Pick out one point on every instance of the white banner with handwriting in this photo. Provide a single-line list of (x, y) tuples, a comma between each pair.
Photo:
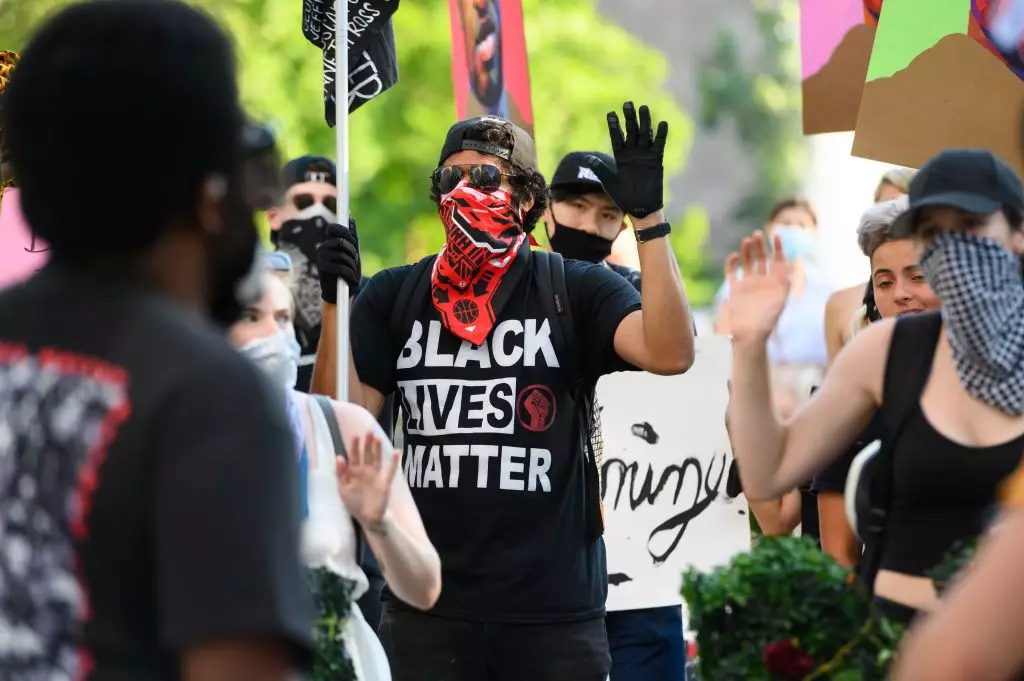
[(666, 462)]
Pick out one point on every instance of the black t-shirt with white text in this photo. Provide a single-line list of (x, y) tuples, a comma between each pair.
[(491, 442), (149, 498)]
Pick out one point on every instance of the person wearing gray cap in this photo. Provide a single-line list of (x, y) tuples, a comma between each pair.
[(493, 351), (952, 381)]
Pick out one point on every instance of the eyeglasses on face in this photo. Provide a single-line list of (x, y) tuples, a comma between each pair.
[(486, 178)]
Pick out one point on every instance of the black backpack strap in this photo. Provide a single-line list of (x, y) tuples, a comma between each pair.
[(415, 286), (339, 450), (907, 367), (550, 271)]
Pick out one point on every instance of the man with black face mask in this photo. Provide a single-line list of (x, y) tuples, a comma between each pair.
[(583, 220), (582, 223), (298, 226), (149, 500)]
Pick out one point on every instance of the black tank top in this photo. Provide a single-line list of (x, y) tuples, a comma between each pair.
[(943, 492)]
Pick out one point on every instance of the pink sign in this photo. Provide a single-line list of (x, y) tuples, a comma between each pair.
[(823, 24), (21, 254)]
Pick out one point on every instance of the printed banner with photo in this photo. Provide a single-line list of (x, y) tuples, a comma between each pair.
[(835, 48), (935, 81), (372, 61), (21, 254), (666, 463), (489, 66)]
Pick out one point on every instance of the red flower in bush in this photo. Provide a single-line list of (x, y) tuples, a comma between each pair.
[(785, 660)]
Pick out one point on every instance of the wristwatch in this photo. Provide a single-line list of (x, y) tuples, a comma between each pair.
[(655, 232)]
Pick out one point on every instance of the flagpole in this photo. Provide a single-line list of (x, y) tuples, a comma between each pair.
[(341, 136)]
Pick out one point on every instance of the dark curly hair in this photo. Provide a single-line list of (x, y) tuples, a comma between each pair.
[(151, 86), (526, 183)]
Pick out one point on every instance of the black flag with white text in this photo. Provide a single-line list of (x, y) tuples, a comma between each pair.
[(372, 61)]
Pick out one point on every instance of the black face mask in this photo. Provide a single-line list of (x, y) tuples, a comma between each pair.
[(579, 245)]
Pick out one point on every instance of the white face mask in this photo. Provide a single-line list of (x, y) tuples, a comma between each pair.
[(277, 356), (317, 210)]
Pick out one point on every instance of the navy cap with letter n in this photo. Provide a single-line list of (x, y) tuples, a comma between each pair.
[(575, 174), (972, 180), (522, 152)]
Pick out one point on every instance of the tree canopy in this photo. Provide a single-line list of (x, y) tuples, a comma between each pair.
[(581, 66)]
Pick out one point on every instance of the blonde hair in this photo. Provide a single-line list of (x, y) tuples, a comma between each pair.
[(897, 177)]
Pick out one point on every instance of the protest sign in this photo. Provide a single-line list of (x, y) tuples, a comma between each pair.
[(936, 81), (21, 254), (666, 462), (372, 61), (489, 66), (835, 47)]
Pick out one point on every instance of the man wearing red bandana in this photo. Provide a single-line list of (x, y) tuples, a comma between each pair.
[(493, 352)]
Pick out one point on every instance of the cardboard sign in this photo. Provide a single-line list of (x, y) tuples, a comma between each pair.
[(21, 253), (489, 67), (835, 47), (666, 462), (936, 81)]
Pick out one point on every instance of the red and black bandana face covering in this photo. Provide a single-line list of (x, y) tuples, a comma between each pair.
[(483, 234)]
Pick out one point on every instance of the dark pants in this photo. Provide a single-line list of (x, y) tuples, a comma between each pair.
[(424, 647), (370, 602), (647, 645)]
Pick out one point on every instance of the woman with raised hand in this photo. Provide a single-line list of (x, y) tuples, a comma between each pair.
[(342, 493), (953, 383)]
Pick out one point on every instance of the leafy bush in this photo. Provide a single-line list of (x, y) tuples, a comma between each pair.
[(786, 610), (332, 599)]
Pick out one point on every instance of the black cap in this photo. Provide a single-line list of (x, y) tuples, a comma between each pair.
[(522, 153), (574, 172), (972, 180), (298, 170)]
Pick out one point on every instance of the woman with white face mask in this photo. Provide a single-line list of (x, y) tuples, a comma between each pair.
[(363, 488)]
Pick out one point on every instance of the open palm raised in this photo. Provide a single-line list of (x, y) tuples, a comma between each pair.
[(758, 288), (364, 480)]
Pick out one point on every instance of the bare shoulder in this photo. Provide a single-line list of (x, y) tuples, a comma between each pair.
[(356, 421), (846, 299), (862, 361)]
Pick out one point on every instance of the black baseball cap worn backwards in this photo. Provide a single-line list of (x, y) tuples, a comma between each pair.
[(298, 170), (575, 174), (972, 180), (523, 153)]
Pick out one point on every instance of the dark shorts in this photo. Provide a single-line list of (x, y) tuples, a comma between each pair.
[(647, 645), (422, 647)]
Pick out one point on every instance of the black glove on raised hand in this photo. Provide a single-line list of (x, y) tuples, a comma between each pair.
[(338, 258), (637, 183)]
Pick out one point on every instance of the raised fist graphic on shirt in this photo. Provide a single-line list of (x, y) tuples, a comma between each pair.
[(537, 408)]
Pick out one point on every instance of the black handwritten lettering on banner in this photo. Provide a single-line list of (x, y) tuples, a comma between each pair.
[(513, 469), (648, 494)]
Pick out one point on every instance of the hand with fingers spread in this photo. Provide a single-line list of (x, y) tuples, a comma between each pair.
[(364, 481), (759, 280), (637, 182)]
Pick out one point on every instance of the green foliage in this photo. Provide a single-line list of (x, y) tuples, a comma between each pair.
[(763, 101), (958, 558), (786, 589), (332, 598), (581, 66)]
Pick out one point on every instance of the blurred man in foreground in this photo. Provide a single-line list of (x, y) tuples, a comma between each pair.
[(150, 506)]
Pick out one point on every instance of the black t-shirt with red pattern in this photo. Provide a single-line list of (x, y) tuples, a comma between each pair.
[(491, 452)]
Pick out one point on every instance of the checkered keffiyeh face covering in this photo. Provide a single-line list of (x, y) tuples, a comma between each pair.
[(979, 282)]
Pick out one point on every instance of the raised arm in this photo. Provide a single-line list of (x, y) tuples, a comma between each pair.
[(378, 497), (659, 337), (774, 458)]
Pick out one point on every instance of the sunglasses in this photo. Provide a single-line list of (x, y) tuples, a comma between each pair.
[(304, 201), (486, 178)]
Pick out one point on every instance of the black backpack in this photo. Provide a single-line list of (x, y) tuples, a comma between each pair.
[(914, 339), (549, 274)]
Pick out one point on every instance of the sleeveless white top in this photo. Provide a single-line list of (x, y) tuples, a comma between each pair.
[(329, 540)]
